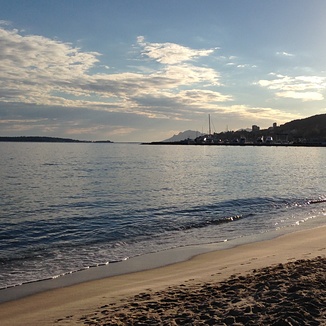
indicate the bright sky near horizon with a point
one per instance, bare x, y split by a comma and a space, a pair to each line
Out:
129, 70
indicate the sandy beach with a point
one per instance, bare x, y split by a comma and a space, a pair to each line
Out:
275, 282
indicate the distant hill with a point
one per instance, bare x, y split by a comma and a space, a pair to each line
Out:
312, 127
191, 134
43, 139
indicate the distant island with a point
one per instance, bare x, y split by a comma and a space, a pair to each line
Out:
42, 139
310, 131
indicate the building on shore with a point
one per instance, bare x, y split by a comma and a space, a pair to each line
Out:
255, 128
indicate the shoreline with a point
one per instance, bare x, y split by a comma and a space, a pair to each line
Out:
183, 143
138, 264
69, 304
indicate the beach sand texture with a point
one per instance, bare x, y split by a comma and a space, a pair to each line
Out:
275, 282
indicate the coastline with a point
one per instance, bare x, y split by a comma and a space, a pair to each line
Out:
139, 263
183, 143
69, 304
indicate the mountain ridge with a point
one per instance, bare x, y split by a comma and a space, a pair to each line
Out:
182, 135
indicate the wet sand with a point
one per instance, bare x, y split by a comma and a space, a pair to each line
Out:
274, 282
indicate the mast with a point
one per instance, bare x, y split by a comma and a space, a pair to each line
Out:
209, 124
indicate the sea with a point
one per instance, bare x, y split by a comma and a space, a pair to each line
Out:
66, 207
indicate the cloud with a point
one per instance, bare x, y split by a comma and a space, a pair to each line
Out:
264, 114
168, 78
284, 54
234, 61
305, 88
246, 66
196, 97
42, 77
4, 23
38, 70
33, 67
304, 96
170, 53
51, 86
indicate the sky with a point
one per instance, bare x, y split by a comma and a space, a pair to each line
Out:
144, 70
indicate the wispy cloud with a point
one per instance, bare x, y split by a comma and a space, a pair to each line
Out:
284, 54
33, 67
171, 53
304, 96
4, 23
305, 88
263, 113
246, 66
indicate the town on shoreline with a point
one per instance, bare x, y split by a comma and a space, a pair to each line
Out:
309, 132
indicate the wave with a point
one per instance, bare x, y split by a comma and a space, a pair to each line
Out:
57, 276
43, 239
317, 201
78, 231
140, 229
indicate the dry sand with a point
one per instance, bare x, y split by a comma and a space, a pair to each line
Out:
275, 282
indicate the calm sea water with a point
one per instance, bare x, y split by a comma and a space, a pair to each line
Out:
64, 207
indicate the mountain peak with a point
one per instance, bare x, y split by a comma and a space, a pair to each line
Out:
191, 134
